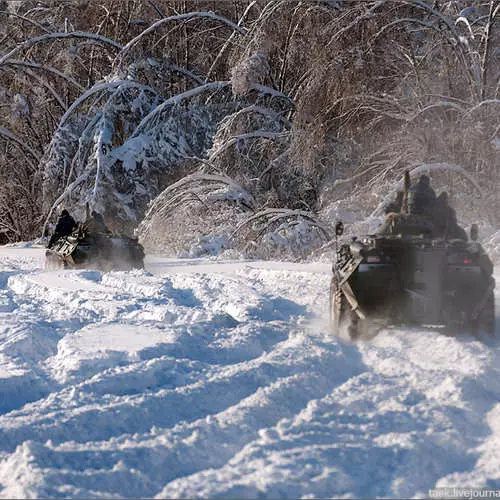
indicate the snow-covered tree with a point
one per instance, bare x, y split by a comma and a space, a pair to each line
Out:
301, 103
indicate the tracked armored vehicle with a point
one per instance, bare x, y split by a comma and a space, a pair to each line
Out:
412, 276
84, 249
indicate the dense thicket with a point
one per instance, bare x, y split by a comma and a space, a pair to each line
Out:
241, 121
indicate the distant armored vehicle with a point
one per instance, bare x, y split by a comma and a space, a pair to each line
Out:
84, 248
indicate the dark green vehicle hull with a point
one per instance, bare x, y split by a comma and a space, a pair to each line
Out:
393, 279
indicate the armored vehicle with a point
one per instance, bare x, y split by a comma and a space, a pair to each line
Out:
411, 275
84, 248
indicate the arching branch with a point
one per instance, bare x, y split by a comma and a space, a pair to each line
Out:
180, 17
99, 88
59, 36
22, 144
271, 215
199, 188
258, 134
48, 69
264, 89
175, 100
266, 112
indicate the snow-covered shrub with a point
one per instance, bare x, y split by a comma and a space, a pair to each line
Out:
194, 216
131, 148
280, 233
86, 170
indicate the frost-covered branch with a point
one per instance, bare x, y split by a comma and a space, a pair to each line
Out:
274, 214
202, 188
180, 17
263, 89
59, 36
487, 102
100, 87
189, 74
261, 110
176, 100
20, 142
258, 134
49, 69
281, 232
444, 104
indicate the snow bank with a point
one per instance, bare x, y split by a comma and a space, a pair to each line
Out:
220, 379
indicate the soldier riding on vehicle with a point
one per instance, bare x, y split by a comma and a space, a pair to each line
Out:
416, 210
416, 207
64, 227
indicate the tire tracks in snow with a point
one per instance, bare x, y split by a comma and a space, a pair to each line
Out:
242, 394
256, 381
225, 413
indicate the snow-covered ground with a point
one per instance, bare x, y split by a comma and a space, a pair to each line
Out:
220, 379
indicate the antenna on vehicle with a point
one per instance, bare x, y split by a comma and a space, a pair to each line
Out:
406, 188
474, 232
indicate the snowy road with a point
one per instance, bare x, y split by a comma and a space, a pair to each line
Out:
213, 379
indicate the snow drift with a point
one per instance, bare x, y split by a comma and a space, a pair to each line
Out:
220, 379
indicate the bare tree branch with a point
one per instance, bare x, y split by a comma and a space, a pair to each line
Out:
59, 36
180, 17
20, 142
49, 69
